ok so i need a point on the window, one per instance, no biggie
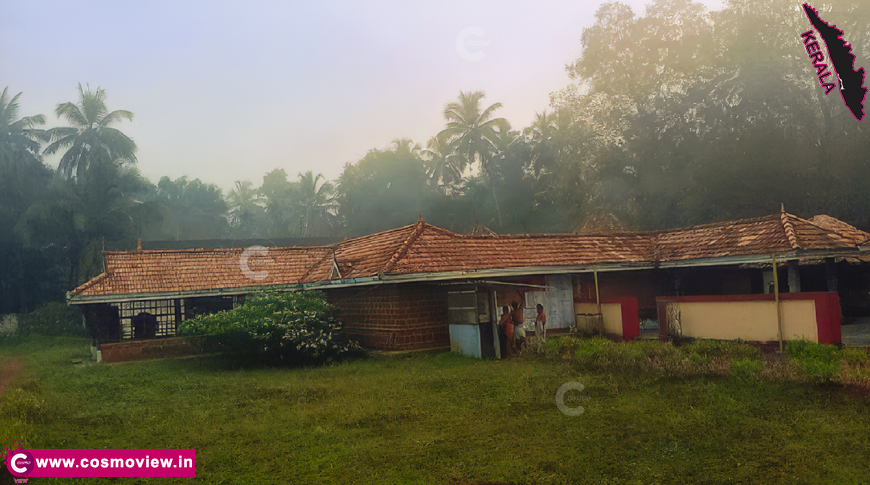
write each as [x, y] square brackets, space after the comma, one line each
[167, 312]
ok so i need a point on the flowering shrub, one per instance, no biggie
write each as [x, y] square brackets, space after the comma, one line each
[276, 327]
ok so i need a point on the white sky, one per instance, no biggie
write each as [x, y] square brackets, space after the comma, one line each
[230, 91]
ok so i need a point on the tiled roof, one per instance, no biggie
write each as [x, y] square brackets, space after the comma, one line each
[424, 249]
[829, 223]
[199, 269]
[437, 250]
[362, 256]
[763, 235]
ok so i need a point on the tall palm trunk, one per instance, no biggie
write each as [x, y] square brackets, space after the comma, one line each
[495, 199]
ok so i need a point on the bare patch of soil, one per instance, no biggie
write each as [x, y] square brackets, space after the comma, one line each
[9, 372]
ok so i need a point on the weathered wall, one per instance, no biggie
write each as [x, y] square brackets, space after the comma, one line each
[619, 315]
[399, 317]
[465, 339]
[611, 312]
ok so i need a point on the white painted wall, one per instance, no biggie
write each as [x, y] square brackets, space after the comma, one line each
[558, 301]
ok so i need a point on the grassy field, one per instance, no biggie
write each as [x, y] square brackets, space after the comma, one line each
[649, 418]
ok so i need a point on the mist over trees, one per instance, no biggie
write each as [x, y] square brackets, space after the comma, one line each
[672, 116]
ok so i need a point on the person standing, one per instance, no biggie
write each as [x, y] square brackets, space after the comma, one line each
[540, 325]
[505, 332]
[517, 319]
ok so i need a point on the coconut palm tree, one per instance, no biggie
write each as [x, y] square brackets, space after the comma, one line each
[443, 165]
[18, 138]
[19, 152]
[406, 147]
[243, 202]
[90, 139]
[474, 131]
[315, 203]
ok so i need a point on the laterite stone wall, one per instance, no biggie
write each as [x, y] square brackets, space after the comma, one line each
[148, 349]
[394, 317]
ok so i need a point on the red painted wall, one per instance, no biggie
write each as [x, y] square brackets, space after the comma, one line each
[630, 317]
[396, 317]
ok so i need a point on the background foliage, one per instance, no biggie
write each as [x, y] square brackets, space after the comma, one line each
[671, 117]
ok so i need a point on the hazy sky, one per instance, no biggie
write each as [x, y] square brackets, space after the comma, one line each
[229, 91]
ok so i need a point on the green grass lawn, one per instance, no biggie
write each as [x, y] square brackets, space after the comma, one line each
[439, 419]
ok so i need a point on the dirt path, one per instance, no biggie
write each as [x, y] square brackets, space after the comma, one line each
[9, 371]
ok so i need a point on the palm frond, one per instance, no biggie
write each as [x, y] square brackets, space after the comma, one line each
[93, 104]
[63, 137]
[115, 116]
[72, 114]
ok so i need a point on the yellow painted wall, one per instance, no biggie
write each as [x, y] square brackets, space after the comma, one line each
[611, 312]
[748, 320]
[799, 320]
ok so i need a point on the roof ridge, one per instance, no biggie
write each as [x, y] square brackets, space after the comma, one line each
[788, 228]
[200, 250]
[403, 249]
[317, 264]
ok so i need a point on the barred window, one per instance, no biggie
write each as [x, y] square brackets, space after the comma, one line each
[167, 313]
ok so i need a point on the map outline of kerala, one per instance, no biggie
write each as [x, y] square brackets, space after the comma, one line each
[840, 53]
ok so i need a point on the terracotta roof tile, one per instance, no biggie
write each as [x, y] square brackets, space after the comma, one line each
[836, 225]
[423, 248]
[199, 269]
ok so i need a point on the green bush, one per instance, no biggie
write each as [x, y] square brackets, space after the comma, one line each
[745, 368]
[275, 327]
[54, 318]
[815, 359]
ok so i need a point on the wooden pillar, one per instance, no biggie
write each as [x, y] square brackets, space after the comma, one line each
[598, 301]
[776, 299]
[177, 315]
[794, 277]
[830, 274]
[495, 338]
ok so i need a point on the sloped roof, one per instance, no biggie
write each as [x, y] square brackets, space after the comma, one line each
[192, 270]
[362, 256]
[763, 235]
[438, 250]
[830, 223]
[425, 249]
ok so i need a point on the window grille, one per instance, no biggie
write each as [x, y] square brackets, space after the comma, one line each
[167, 312]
